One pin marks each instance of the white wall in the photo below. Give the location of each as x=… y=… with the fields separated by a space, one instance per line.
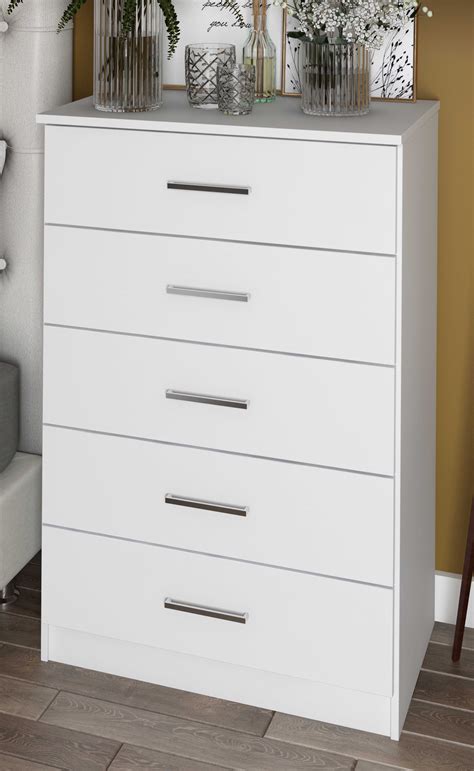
x=447 y=586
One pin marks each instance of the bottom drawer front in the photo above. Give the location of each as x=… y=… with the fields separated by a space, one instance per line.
x=281 y=621
x=323 y=521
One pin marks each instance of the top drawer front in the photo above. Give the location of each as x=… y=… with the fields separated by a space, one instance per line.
x=316 y=194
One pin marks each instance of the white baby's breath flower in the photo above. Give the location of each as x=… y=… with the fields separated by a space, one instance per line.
x=355 y=21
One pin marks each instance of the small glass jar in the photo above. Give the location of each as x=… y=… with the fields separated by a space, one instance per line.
x=335 y=79
x=201 y=63
x=236 y=88
x=260 y=51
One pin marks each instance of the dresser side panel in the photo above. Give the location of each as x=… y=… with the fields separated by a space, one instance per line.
x=416 y=413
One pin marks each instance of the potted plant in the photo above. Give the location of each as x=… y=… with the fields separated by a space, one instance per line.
x=128 y=49
x=336 y=36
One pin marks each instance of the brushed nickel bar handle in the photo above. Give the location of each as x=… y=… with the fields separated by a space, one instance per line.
x=203 y=188
x=212 y=294
x=201 y=610
x=219 y=401
x=195 y=503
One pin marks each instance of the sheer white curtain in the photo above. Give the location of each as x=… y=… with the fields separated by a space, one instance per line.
x=3 y=154
x=35 y=75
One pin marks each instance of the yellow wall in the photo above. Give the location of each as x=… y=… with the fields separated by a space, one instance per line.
x=83 y=47
x=445 y=72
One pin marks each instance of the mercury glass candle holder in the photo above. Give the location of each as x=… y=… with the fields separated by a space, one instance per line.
x=201 y=63
x=236 y=88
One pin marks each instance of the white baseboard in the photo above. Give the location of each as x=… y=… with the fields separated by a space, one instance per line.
x=447 y=587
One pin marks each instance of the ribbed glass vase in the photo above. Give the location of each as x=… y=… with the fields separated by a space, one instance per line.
x=128 y=64
x=335 y=79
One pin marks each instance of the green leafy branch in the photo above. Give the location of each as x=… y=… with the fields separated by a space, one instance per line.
x=72 y=8
x=172 y=25
x=128 y=16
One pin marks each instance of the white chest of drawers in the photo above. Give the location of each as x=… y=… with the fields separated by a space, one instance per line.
x=239 y=403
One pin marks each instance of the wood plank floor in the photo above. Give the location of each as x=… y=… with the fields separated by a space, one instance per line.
x=55 y=716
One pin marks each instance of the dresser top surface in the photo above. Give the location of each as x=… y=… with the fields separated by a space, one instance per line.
x=388 y=123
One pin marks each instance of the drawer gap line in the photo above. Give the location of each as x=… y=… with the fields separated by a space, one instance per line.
x=215 y=449
x=385 y=140
x=155 y=545
x=156 y=234
x=218 y=345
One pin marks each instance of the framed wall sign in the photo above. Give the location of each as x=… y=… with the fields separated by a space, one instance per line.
x=393 y=70
x=209 y=21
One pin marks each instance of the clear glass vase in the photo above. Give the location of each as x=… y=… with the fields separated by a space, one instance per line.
x=236 y=88
x=201 y=61
x=335 y=79
x=128 y=65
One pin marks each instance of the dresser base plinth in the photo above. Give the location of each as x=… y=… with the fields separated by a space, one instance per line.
x=316 y=701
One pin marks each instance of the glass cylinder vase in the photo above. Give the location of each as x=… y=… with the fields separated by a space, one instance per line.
x=127 y=56
x=335 y=79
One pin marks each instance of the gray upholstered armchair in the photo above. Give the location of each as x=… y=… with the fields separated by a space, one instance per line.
x=20 y=490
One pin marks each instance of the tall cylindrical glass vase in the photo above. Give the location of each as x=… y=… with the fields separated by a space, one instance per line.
x=128 y=55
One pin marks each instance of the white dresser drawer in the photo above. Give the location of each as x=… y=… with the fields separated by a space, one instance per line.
x=281 y=621
x=319 y=303
x=316 y=411
x=313 y=519
x=342 y=196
